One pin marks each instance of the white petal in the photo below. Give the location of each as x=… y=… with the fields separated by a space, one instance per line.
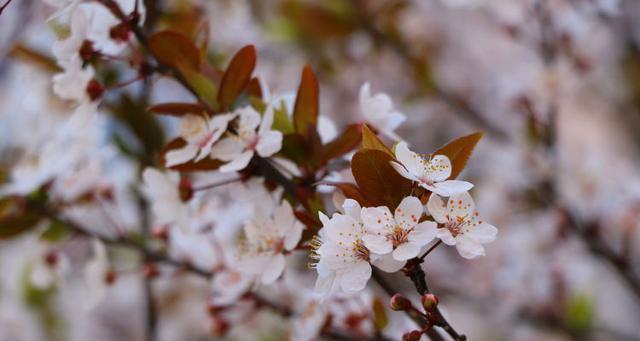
x=292 y=238
x=356 y=277
x=342 y=228
x=446 y=236
x=406 y=251
x=326 y=129
x=273 y=269
x=437 y=208
x=387 y=263
x=267 y=120
x=403 y=171
x=461 y=205
x=423 y=233
x=238 y=163
x=227 y=149
x=377 y=219
x=409 y=212
x=323 y=218
x=410 y=160
x=181 y=155
x=377 y=244
x=352 y=208
x=439 y=168
x=324 y=284
x=451 y=187
x=483 y=233
x=469 y=248
x=269 y=143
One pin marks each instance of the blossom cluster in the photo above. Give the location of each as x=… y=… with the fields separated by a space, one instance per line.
x=240 y=193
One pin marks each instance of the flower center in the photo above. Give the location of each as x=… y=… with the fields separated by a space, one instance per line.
x=455 y=226
x=398 y=236
x=360 y=251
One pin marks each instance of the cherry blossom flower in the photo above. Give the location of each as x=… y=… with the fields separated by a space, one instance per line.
x=431 y=173
x=95 y=273
x=377 y=110
x=164 y=192
x=228 y=286
x=200 y=133
x=238 y=148
x=399 y=233
x=308 y=325
x=343 y=259
x=267 y=239
x=462 y=226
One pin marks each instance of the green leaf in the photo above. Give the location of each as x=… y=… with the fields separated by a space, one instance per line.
x=579 y=314
x=176 y=109
x=305 y=111
x=294 y=147
x=55 y=232
x=174 y=49
x=204 y=87
x=281 y=120
x=237 y=76
x=378 y=181
x=371 y=141
x=346 y=142
x=459 y=151
x=380 y=319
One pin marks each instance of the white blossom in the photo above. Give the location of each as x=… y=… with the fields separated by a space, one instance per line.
x=200 y=133
x=164 y=192
x=378 y=111
x=266 y=241
x=238 y=147
x=462 y=225
x=343 y=259
x=430 y=173
x=400 y=233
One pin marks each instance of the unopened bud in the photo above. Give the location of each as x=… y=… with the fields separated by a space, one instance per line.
x=120 y=32
x=399 y=302
x=218 y=326
x=413 y=335
x=110 y=277
x=94 y=89
x=87 y=51
x=150 y=270
x=186 y=189
x=429 y=302
x=51 y=259
x=161 y=232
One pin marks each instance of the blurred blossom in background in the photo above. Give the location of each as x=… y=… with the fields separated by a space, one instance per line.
x=554 y=85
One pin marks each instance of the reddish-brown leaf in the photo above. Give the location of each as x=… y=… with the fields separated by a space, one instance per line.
x=174 y=49
x=377 y=179
x=177 y=109
x=349 y=190
x=15 y=218
x=371 y=141
x=237 y=76
x=305 y=111
x=459 y=151
x=254 y=89
x=346 y=142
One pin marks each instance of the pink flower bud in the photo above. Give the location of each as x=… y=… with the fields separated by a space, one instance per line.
x=399 y=302
x=429 y=302
x=94 y=89
x=413 y=335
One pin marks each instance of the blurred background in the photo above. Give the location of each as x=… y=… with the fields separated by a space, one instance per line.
x=553 y=84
